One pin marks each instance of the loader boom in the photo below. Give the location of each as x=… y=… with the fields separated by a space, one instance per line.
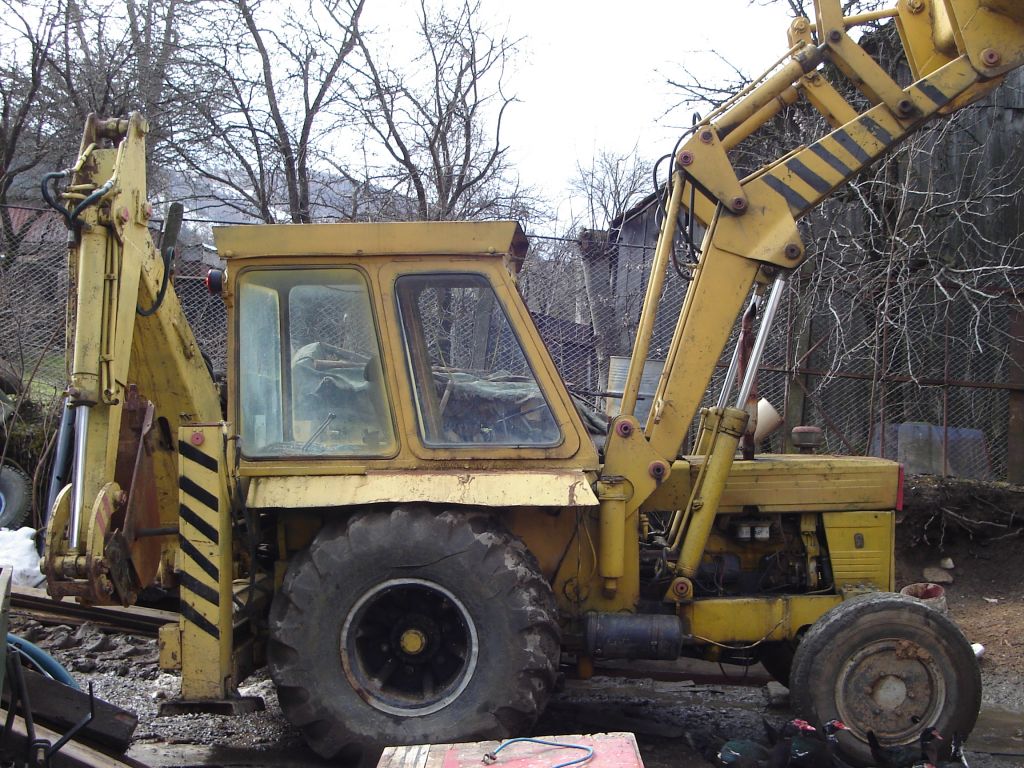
x=958 y=50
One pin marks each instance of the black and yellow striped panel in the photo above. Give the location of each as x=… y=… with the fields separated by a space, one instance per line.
x=199 y=537
x=813 y=172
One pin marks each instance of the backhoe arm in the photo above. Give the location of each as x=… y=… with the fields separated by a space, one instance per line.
x=958 y=51
x=136 y=375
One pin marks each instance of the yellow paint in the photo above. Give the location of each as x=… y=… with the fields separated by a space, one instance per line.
x=751 y=619
x=789 y=483
x=169 y=642
x=403 y=239
x=413 y=641
x=207 y=622
x=483 y=488
x=861 y=548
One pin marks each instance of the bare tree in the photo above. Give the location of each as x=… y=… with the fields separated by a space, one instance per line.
x=23 y=134
x=609 y=185
x=438 y=119
x=916 y=273
x=264 y=86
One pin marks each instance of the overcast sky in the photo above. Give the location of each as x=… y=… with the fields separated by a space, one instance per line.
x=593 y=74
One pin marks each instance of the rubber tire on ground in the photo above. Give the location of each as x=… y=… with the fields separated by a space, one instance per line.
x=15 y=496
x=879 y=643
x=10 y=382
x=467 y=555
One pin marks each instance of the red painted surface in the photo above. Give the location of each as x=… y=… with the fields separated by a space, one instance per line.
x=611 y=750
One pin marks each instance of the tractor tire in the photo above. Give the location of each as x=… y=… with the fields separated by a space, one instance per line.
x=889 y=664
x=412 y=627
x=15 y=496
x=10 y=382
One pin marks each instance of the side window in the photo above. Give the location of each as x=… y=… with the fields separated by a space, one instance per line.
x=338 y=396
x=310 y=377
x=259 y=365
x=471 y=378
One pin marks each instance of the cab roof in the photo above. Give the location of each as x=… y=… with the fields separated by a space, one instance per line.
x=448 y=238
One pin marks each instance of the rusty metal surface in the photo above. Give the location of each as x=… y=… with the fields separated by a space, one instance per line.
x=27 y=601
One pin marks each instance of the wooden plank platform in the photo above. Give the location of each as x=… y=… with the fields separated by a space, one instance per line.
x=611 y=750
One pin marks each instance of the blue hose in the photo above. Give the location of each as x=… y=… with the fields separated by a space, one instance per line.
x=42 y=661
x=490 y=757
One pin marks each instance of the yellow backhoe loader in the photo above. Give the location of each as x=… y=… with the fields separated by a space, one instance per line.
x=401 y=511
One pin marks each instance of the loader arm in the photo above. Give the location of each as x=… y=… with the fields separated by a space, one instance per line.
x=136 y=375
x=958 y=51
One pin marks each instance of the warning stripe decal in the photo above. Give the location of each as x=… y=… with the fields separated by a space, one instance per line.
x=205 y=528
x=192 y=453
x=199 y=558
x=197 y=492
x=192 y=616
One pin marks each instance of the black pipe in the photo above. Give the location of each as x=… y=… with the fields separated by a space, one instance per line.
x=61 y=473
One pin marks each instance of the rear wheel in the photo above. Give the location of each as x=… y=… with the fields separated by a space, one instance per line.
x=888 y=664
x=412 y=627
x=15 y=496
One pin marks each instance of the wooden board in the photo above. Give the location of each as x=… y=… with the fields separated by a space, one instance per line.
x=71 y=755
x=611 y=750
x=60 y=707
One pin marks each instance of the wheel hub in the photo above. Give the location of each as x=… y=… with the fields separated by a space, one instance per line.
x=891 y=687
x=413 y=642
x=408 y=647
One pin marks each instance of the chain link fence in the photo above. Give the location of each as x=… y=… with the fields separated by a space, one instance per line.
x=910 y=371
x=902 y=370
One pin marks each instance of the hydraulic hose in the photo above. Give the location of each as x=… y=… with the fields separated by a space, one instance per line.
x=42 y=661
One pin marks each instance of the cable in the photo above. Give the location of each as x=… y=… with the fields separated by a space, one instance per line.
x=491 y=757
x=168 y=255
x=48 y=197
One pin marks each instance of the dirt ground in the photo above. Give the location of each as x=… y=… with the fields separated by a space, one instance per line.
x=664 y=703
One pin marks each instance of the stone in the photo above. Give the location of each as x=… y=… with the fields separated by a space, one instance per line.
x=778 y=694
x=937 y=576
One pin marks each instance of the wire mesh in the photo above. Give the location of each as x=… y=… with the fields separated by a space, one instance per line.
x=885 y=367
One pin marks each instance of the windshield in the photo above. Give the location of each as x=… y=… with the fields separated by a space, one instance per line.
x=310 y=379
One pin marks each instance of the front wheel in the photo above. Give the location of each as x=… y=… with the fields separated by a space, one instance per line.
x=412 y=627
x=888 y=664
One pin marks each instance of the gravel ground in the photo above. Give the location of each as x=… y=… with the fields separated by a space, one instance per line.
x=662 y=708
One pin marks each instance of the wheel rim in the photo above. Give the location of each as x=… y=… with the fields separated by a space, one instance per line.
x=409 y=647
x=892 y=687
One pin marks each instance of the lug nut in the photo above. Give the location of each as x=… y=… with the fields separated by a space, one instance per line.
x=991 y=57
x=658 y=470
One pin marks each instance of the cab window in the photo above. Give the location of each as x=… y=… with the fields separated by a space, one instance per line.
x=310 y=377
x=472 y=382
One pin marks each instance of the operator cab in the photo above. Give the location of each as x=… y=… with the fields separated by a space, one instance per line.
x=359 y=341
